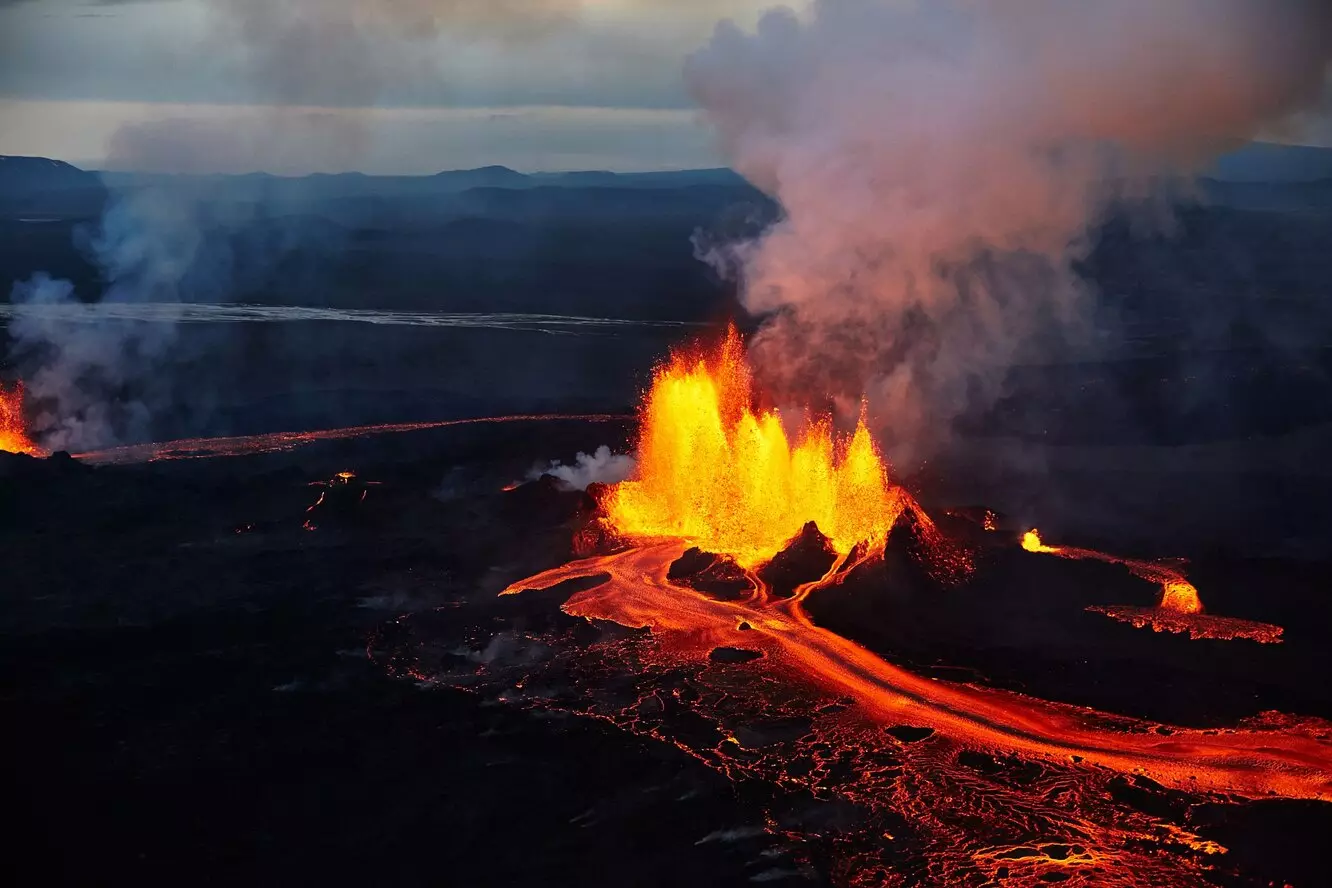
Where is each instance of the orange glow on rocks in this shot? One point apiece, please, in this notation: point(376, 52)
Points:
point(13, 429)
point(715, 471)
point(1256, 761)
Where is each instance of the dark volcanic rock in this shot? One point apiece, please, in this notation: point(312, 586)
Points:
point(937, 558)
point(714, 575)
point(22, 466)
point(1021, 623)
point(15, 464)
point(733, 655)
point(807, 557)
point(908, 734)
point(595, 535)
point(342, 500)
point(544, 501)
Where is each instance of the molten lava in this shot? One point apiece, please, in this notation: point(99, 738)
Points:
point(13, 429)
point(285, 442)
point(952, 784)
point(726, 477)
point(1180, 609)
point(1178, 595)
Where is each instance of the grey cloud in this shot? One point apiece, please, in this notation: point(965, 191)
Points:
point(940, 165)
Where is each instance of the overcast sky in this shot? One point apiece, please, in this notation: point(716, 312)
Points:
point(534, 84)
point(409, 86)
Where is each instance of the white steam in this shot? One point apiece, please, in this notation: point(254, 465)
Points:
point(93, 380)
point(940, 165)
point(600, 467)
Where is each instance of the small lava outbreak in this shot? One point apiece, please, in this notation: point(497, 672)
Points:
point(1180, 609)
point(13, 427)
point(715, 546)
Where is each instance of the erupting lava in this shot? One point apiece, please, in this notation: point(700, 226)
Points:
point(1180, 609)
point(951, 784)
point(13, 429)
point(715, 472)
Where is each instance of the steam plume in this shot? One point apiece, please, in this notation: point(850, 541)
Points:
point(93, 379)
point(941, 163)
point(601, 466)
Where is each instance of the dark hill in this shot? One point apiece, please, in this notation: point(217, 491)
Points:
point(33, 175)
point(46, 189)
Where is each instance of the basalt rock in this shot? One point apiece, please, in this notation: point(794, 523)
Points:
point(544, 501)
point(714, 575)
point(807, 557)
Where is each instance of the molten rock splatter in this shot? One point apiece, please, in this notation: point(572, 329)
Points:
point(13, 428)
point(714, 471)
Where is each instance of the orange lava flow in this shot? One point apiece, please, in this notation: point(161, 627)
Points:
point(713, 470)
point(13, 429)
point(282, 442)
point(1275, 758)
point(716, 474)
point(1178, 595)
point(1180, 609)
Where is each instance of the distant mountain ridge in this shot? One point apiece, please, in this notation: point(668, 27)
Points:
point(1269, 162)
point(31, 175)
point(21, 176)
point(325, 186)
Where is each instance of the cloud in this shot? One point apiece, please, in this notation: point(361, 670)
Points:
point(199, 138)
point(940, 165)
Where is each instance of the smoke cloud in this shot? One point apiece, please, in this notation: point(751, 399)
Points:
point(602, 466)
point(93, 380)
point(940, 165)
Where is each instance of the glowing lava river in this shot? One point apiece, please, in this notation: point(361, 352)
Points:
point(687, 622)
point(283, 442)
point(636, 593)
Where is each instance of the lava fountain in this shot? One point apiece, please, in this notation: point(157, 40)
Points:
point(716, 474)
point(714, 471)
point(13, 429)
point(736, 517)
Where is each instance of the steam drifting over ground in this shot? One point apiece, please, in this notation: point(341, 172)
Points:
point(940, 166)
point(95, 382)
point(601, 466)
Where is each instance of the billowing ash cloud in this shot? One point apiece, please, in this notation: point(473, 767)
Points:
point(601, 466)
point(940, 163)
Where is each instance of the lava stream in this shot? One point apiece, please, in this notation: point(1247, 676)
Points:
point(1286, 760)
point(282, 442)
point(1180, 609)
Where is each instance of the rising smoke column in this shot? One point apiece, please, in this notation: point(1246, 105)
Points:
point(94, 379)
point(940, 164)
